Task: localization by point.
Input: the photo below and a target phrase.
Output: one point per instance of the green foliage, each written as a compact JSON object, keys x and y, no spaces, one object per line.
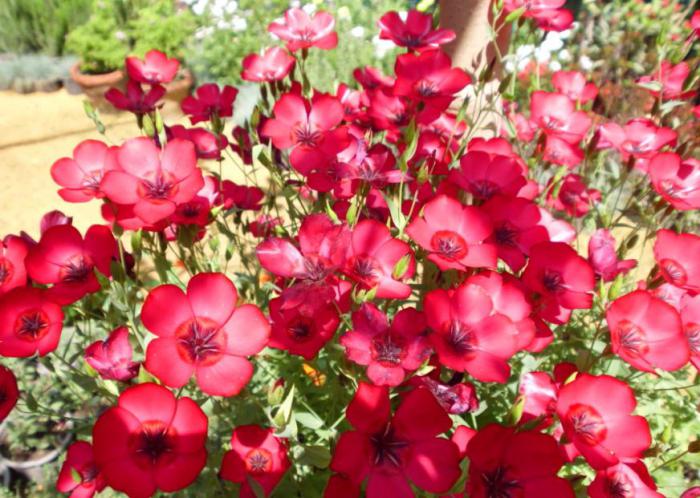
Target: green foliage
{"x":39,"y":25}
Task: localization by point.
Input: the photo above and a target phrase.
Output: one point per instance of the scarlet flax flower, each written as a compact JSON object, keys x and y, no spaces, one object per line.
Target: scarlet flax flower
{"x":209,"y":103}
{"x":676,"y":255}
{"x":79,"y":474}
{"x":13,"y":251}
{"x":80,"y":176}
{"x":112,"y":358}
{"x":273,"y":65}
{"x":415,"y":33}
{"x":30,"y":323}
{"x":9,"y":392}
{"x":154,"y":68}
{"x":300,"y":31}
{"x":676,"y":179}
{"x":135,"y":100}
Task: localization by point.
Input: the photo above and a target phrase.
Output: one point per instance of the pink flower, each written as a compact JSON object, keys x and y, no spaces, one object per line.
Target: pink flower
{"x":112,"y":358}
{"x":573,"y":84}
{"x":80,"y":176}
{"x":630,"y":477}
{"x":203,"y":333}
{"x":454,"y":235}
{"x":677,"y":180}
{"x":556,"y":114}
{"x":554,"y":19}
{"x":676,"y":255}
{"x":485,"y":175}
{"x":154,"y":181}
{"x":390,"y":352}
{"x":300,"y":31}
{"x":690,"y":316}
{"x":210,"y":103}
{"x":155,"y":68}
{"x":671,"y":80}
{"x":559,"y":151}
{"x":415,"y":33}
{"x":647,"y":332}
{"x":603,"y":258}
{"x":273,"y":65}
{"x":640,"y":138}
{"x":373,"y":257}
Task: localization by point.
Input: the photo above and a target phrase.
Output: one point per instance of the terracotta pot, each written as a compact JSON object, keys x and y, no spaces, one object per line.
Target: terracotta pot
{"x":94,"y":86}
{"x":179,"y":88}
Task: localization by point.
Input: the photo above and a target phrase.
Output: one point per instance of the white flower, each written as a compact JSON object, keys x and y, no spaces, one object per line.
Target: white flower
{"x":344,"y":13}
{"x":239,"y":23}
{"x":555,"y":65}
{"x":357,"y":32}
{"x":381,"y":47}
{"x":309,"y":8}
{"x":585,"y":62}
{"x":564,"y":55}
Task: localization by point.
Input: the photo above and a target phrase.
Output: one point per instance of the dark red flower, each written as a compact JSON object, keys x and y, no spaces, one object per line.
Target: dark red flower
{"x":390,"y":352}
{"x":63,"y":258}
{"x":340,"y":486}
{"x":80,"y":176}
{"x":561,"y":279}
{"x":299,"y":31}
{"x":391,"y":452}
{"x":155,"y":68}
{"x":241,"y":196}
{"x":310,"y":129}
{"x":372,"y":78}
{"x":469,"y":334}
{"x":373,"y":258}
{"x":595,"y":414}
{"x":454,"y":235}
{"x":429,"y":79}
{"x":505,"y":461}
{"x":154,"y":181}
{"x":415,"y":33}
{"x":13,"y":251}
{"x":112,"y":358}
{"x":80,"y":464}
{"x":455,"y":399}
{"x":670,"y":80}
{"x":647,"y":332}
{"x":630,"y":478}
{"x":203,"y":333}
{"x":9,"y":392}
{"x":273,"y":65}
{"x":676,"y":255}
{"x":210,"y":103}
{"x":388,"y":111}
{"x":256,"y":454}
{"x":677,"y":180}
{"x":603,"y":257}
{"x":556,"y":114}
{"x":573,"y":84}
{"x":485,"y":175}
{"x":572,"y":196}
{"x":207,"y":144}
{"x":30,"y":323}
{"x":135,"y":100}
{"x":150,"y":441}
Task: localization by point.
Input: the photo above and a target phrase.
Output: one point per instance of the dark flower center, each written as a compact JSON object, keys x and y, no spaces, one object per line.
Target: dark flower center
{"x":426,"y":88}
{"x":619,"y":486}
{"x":258,"y":461}
{"x":301,"y":330}
{"x":460,"y":338}
{"x":673,"y":272}
{"x":587,"y":423}
{"x":498,"y":484}
{"x":32,"y":325}
{"x":304,"y":135}
{"x":410,"y":40}
{"x":552,"y":123}
{"x":552,"y":281}
{"x":484,"y":189}
{"x":692,"y":331}
{"x":387,"y":350}
{"x":159,"y":188}
{"x":199,"y":340}
{"x":6,"y":270}
{"x":449,"y":245}
{"x":315,"y":270}
{"x":505,"y":235}
{"x":76,"y":270}
{"x":631,"y":339}
{"x":387,"y":448}
{"x":92,"y":180}
{"x":365,"y":269}
{"x":154,"y":441}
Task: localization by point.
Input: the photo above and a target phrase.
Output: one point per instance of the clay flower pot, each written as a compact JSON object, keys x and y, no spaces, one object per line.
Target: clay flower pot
{"x":95,"y":85}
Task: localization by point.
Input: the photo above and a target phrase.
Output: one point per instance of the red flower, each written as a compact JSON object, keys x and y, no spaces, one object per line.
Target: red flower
{"x":207,"y":144}
{"x":538,"y":392}
{"x":241,"y":197}
{"x":155,"y":68}
{"x":112,"y":358}
{"x":310,"y":129}
{"x":389,"y":351}
{"x":504,"y":460}
{"x":556,"y":114}
{"x":647,"y":332}
{"x":256,"y":454}
{"x":273,"y":65}
{"x":13,"y":251}
{"x":469,"y":334}
{"x":389,"y":112}
{"x":391,"y":451}
{"x":676,"y":255}
{"x":210,"y":103}
{"x":640,"y":138}
{"x":603,"y":258}
{"x":554,"y":19}
{"x":154,"y":181}
{"x":429,"y":78}
{"x":373,"y":257}
{"x":559,"y":151}
{"x":30,"y":323}
{"x":595,"y":414}
{"x":63,"y":258}
{"x":372,"y":78}
{"x":9,"y":393}
{"x":303,"y":328}
{"x":376,"y":166}
{"x":485,"y":175}
{"x":690,"y":315}
{"x":573,"y":196}
{"x":135,"y":100}
{"x":300,"y":31}
{"x":670,"y":80}
{"x":323,"y":249}
{"x":455,"y":399}
{"x":81,"y":175}
{"x":415,"y":33}
{"x":677,"y":180}
{"x":573,"y":84}
{"x":454,"y":235}
{"x":203,"y":333}
{"x":80,"y":463}
{"x":561,"y":278}
{"x":631,"y":478}
{"x":693,"y":492}
{"x":340,"y":486}
{"x":150,"y":441}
